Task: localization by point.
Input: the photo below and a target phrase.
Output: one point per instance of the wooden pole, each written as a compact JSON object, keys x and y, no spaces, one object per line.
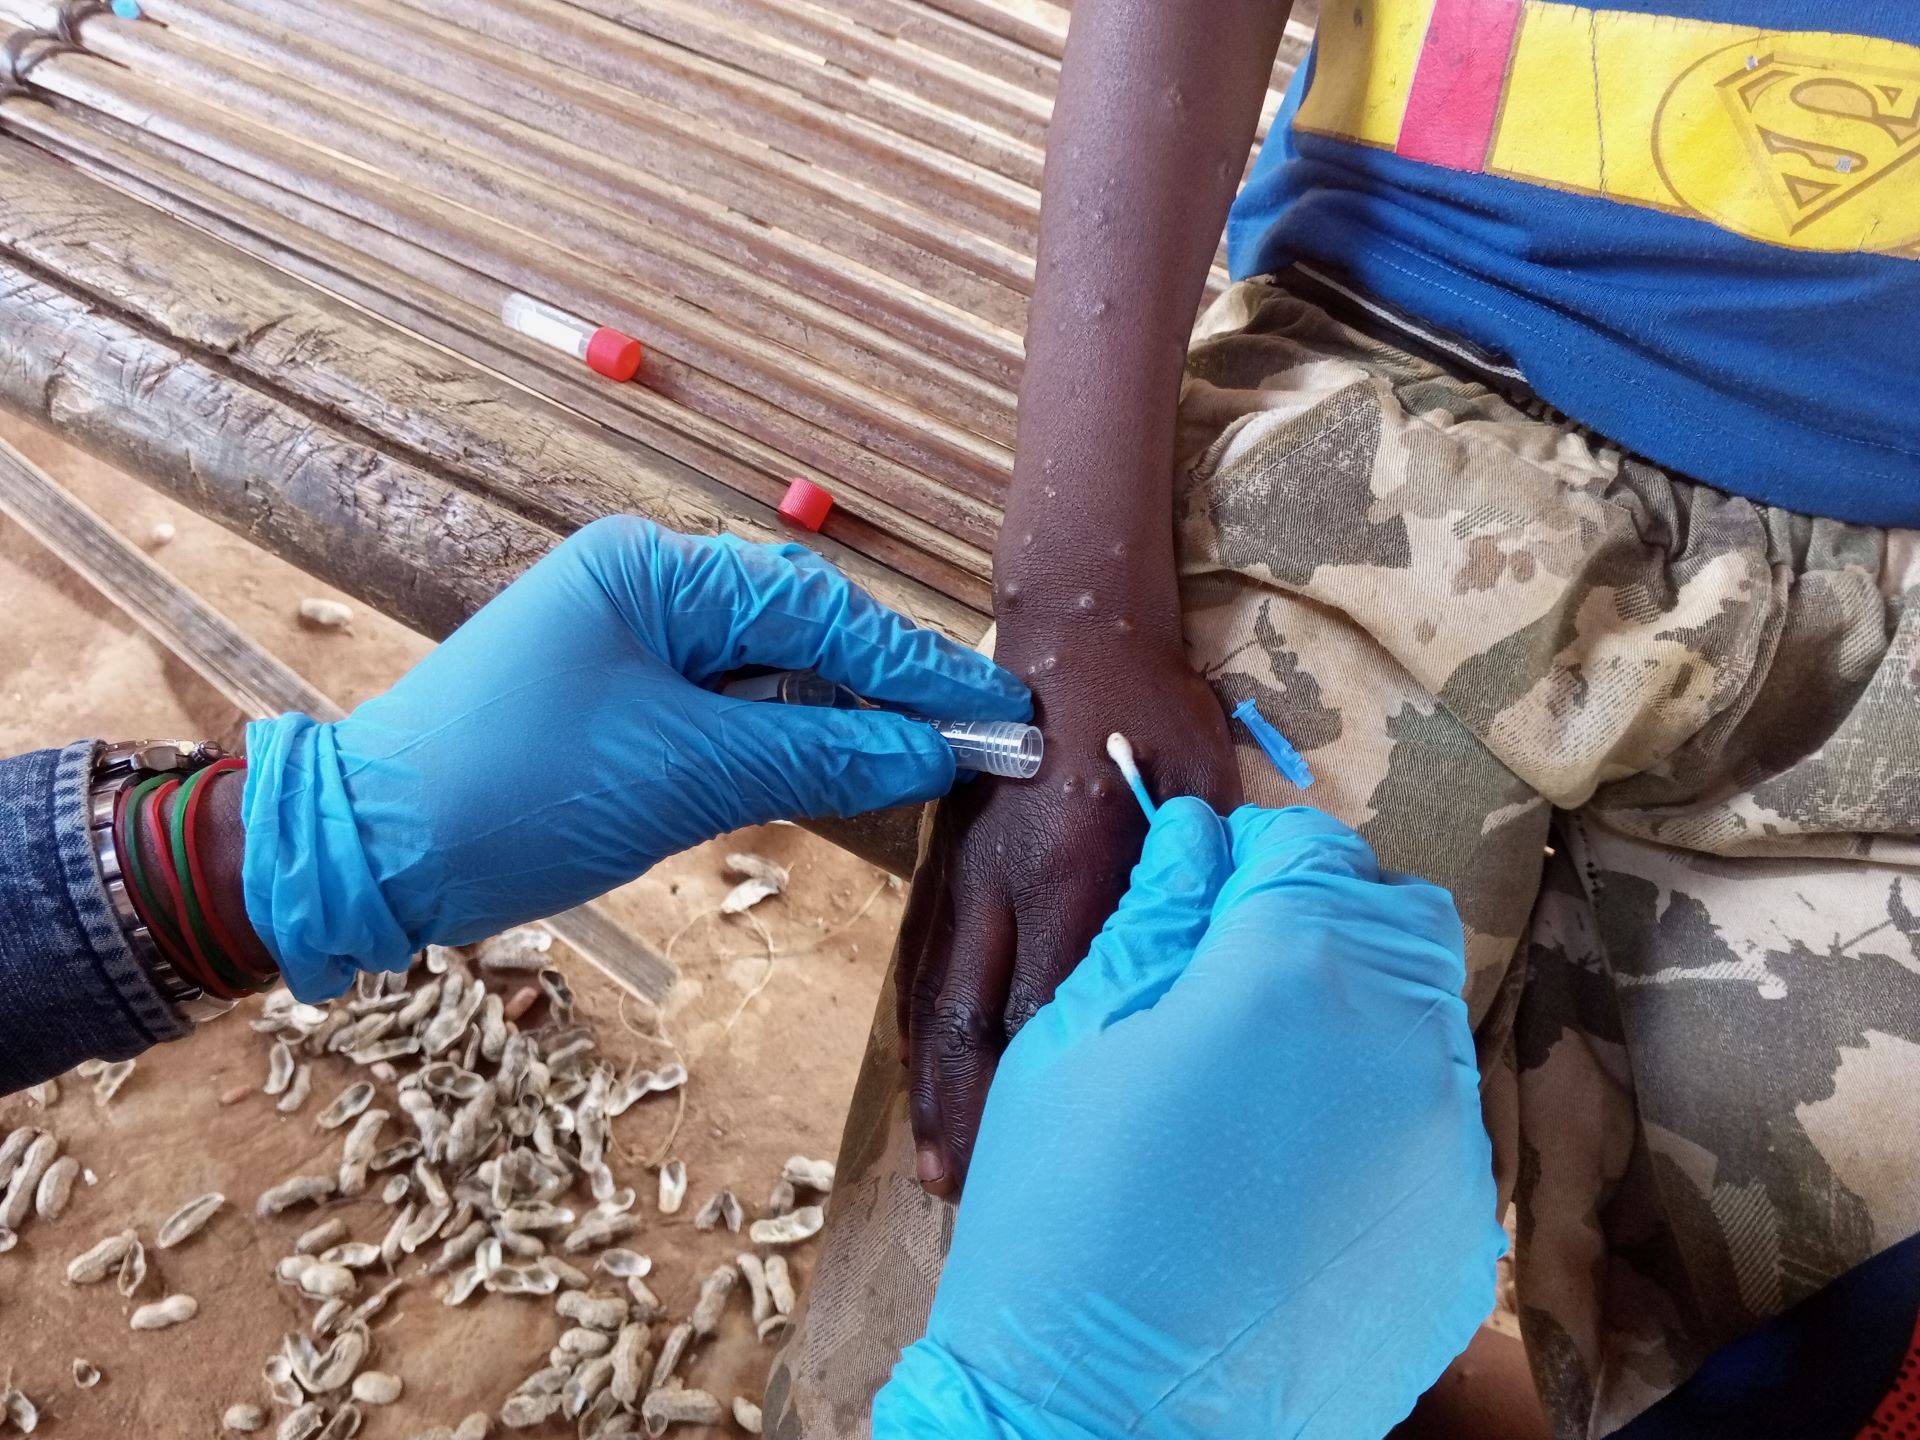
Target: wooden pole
{"x":397,"y":536}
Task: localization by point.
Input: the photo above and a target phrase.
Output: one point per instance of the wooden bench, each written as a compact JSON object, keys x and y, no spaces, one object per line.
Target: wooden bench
{"x":255,"y":251}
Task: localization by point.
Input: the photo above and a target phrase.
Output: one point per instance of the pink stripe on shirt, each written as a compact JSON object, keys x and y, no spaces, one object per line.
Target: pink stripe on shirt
{"x":1456,"y":86}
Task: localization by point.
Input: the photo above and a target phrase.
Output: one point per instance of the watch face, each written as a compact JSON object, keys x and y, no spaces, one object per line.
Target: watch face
{"x":155,"y":757}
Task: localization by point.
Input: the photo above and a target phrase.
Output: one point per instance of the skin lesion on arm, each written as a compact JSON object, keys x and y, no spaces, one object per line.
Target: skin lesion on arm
{"x":1486,"y":1394}
{"x":1158,"y":105}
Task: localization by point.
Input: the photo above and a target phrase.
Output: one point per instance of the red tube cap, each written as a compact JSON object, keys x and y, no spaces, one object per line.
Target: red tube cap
{"x":806,"y":504}
{"x":614,"y":355}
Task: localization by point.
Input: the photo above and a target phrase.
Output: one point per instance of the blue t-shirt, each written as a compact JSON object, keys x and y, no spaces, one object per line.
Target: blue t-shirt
{"x":1843,"y":1364}
{"x":1693,"y":225}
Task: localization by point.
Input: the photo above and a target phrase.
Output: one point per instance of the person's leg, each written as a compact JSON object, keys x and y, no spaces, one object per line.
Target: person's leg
{"x":1719,"y":1041}
{"x":1576,"y":1136}
{"x":1461,"y":615}
{"x":1716,"y":1106}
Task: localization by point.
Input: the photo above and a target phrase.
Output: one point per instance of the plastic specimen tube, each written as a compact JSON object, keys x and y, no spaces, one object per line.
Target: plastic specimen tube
{"x":792,"y":687}
{"x":548,"y":324}
{"x":610,"y":352}
{"x":992,"y":747}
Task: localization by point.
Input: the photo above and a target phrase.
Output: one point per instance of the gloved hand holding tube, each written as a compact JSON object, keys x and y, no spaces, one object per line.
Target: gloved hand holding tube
{"x":564,"y":740}
{"x":1292,"y":1231}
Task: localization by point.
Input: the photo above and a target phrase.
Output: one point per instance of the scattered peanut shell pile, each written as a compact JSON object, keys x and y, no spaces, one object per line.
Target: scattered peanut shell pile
{"x":479,"y":1138}
{"x":486,"y":1146}
{"x":36,"y":1184}
{"x":36,"y":1180}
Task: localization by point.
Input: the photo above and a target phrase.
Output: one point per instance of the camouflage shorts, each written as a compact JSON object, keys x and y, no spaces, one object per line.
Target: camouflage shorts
{"x":1662,"y":743}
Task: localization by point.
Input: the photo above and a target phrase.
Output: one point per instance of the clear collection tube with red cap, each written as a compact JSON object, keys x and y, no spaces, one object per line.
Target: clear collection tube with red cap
{"x":616,"y":355}
{"x":610,"y":352}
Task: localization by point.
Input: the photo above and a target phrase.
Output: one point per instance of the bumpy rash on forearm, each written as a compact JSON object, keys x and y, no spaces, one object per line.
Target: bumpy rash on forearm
{"x":1158,"y":105}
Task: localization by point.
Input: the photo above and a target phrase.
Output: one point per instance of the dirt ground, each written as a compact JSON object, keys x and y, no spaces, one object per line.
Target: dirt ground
{"x":771,"y":1083}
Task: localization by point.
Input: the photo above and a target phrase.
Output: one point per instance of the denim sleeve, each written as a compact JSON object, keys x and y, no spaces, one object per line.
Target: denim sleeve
{"x":70,"y":989}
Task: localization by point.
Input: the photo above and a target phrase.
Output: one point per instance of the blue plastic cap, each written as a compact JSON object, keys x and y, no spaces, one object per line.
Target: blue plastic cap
{"x":127,"y":9}
{"x":1278,"y":748}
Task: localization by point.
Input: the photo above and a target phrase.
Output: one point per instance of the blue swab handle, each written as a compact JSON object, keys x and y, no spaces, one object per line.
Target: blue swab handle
{"x":1120,"y":751}
{"x":1279,"y":750}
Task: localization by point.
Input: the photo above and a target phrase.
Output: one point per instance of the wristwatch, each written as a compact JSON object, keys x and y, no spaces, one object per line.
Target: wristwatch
{"x":114,"y":768}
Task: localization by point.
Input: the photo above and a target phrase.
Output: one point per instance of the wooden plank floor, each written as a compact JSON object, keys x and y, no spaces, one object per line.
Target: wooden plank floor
{"x":817,"y":215}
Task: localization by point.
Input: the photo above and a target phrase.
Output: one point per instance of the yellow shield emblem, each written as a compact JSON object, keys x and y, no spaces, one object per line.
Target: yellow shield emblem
{"x":1810,"y":141}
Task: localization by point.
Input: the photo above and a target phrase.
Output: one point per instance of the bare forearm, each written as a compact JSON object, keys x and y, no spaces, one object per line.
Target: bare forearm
{"x":1158,"y":104}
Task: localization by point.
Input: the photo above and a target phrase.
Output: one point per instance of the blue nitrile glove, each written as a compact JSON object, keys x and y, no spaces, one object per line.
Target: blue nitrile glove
{"x":1233,"y":1180}
{"x":559,"y":743}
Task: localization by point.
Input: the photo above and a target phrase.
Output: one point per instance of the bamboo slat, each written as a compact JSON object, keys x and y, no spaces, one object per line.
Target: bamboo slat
{"x":737,"y":169}
{"x":1014,"y":109}
{"x":695,"y":230}
{"x":412,"y":405}
{"x":353,"y":260}
{"x":910,"y":24}
{"x":963,"y":193}
{"x":750,"y":49}
{"x":1031,"y":24}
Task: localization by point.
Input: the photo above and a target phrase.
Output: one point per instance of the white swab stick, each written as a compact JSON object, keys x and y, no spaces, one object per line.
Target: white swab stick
{"x":1120,"y":751}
